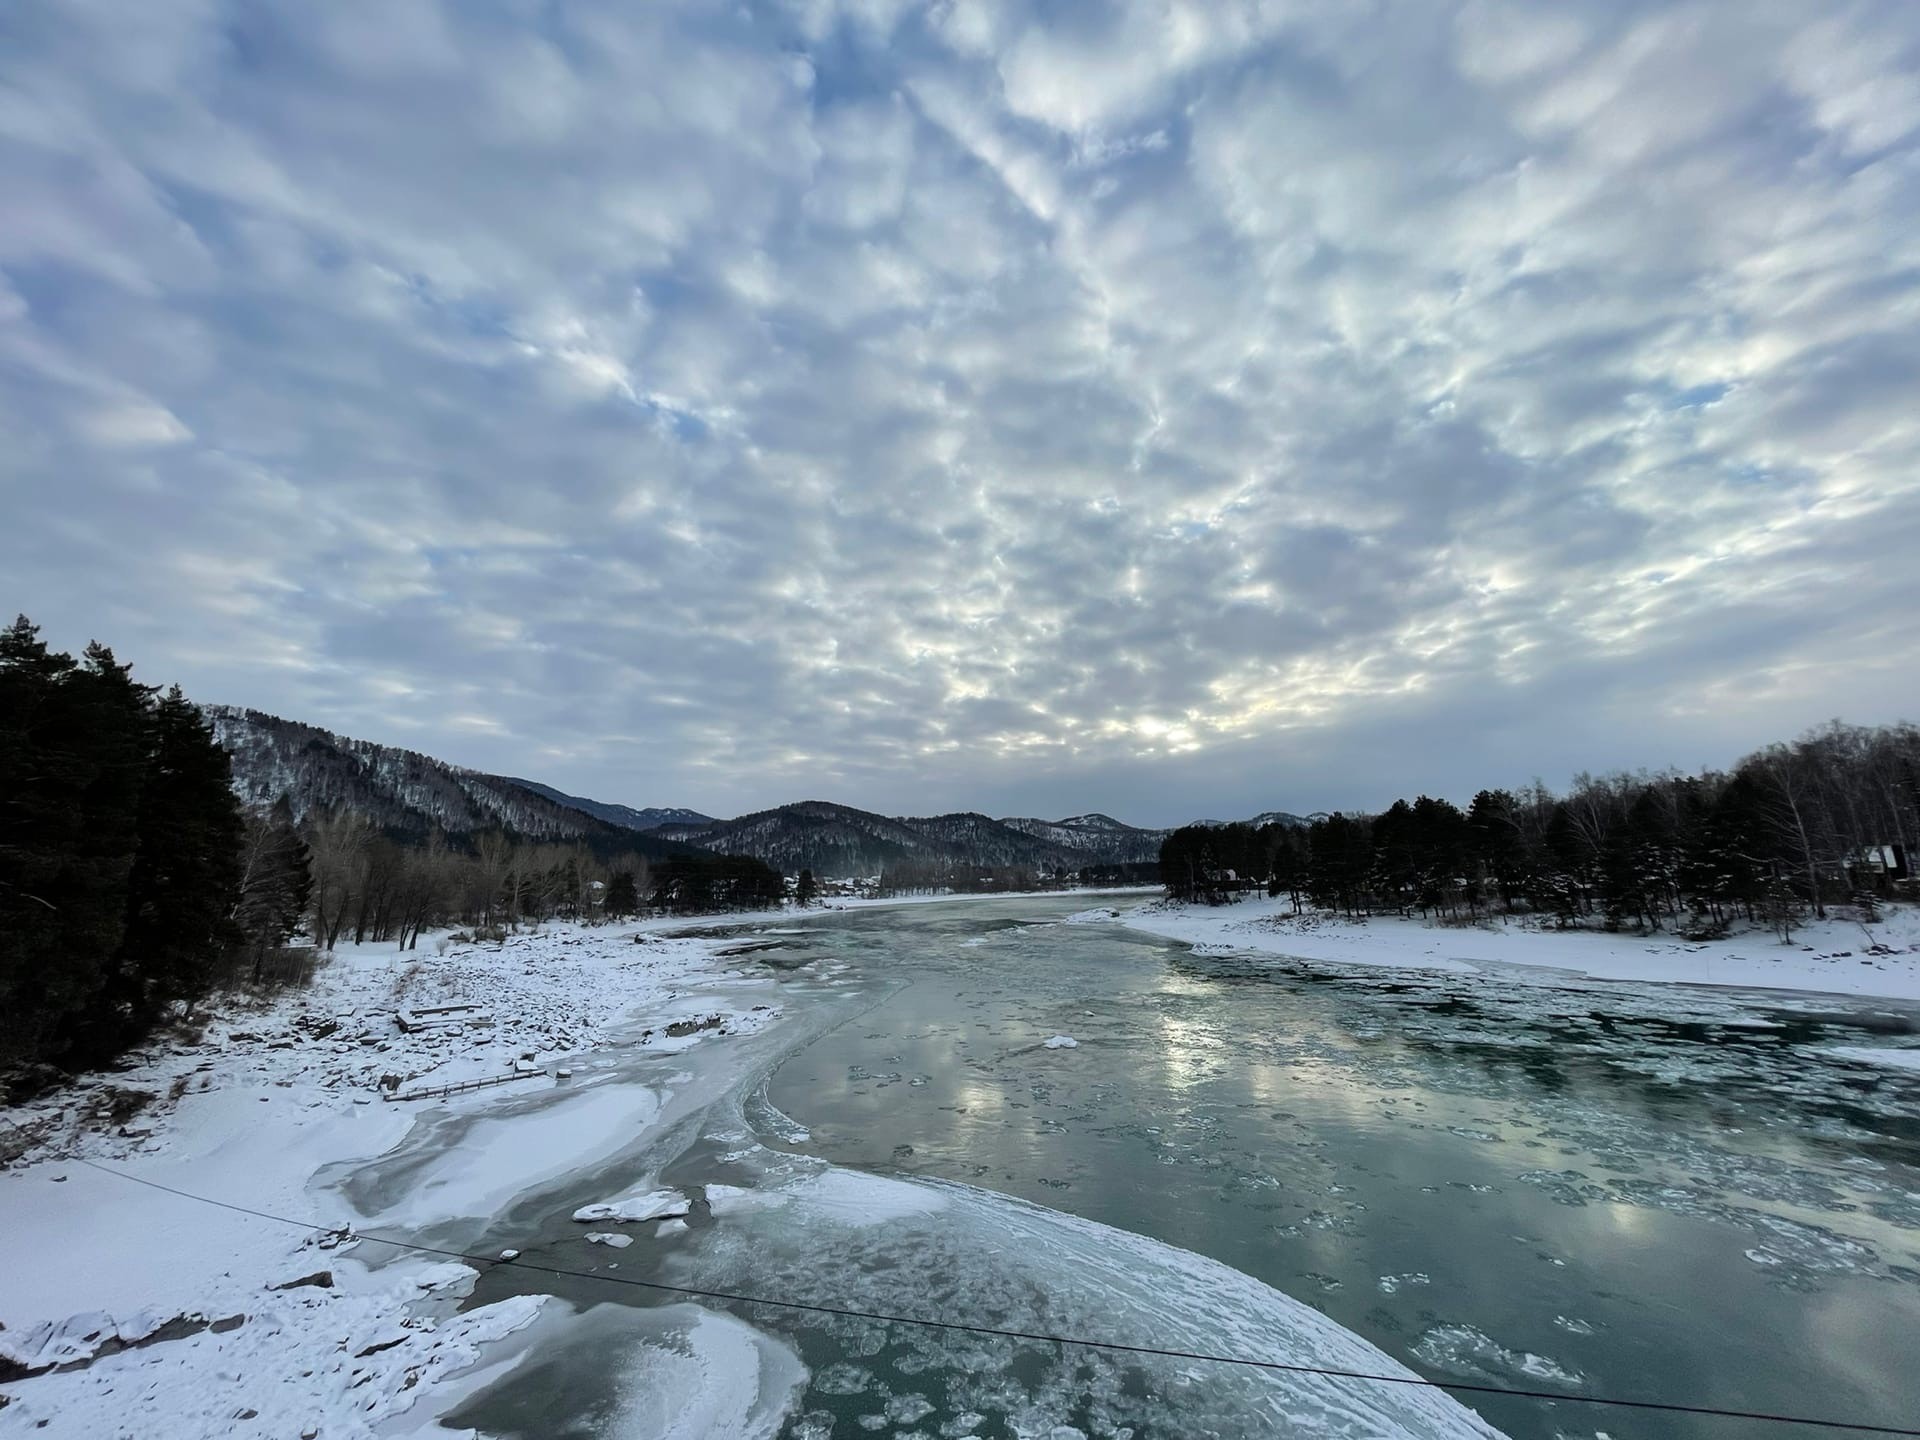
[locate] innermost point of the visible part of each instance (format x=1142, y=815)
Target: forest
x=133, y=882
x=1832, y=818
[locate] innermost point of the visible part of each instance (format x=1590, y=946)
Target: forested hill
x=1105, y=840
x=625, y=816
x=404, y=793
x=839, y=840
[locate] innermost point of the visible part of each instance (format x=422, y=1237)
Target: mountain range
x=839, y=840
x=411, y=795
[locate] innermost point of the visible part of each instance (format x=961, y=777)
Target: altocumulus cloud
x=1160, y=406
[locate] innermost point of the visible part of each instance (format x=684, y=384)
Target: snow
x=651, y=1205
x=1840, y=955
x=304, y=1361
x=1060, y=1042
x=478, y=1177
x=790, y=913
x=256, y=1111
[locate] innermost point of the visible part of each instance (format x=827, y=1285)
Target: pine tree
x=76, y=737
x=1498, y=844
x=184, y=884
x=623, y=895
x=805, y=890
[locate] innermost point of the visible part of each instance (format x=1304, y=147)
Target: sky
x=1170, y=409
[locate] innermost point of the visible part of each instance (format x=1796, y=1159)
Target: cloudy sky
x=1164, y=407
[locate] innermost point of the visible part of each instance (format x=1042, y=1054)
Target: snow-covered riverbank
x=177, y=1318
x=840, y=904
x=1840, y=956
x=227, y=1323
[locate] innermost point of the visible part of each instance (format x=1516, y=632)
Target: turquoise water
x=1588, y=1188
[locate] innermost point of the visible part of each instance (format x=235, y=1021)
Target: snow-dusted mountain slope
x=402, y=791
x=840, y=840
x=625, y=816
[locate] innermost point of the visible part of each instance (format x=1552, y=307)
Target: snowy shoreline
x=159, y=1314
x=124, y=1301
x=178, y=1318
x=845, y=904
x=1833, y=957
x=175, y=1317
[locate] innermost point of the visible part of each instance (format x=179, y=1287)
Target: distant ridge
x=1267, y=817
x=840, y=840
x=625, y=816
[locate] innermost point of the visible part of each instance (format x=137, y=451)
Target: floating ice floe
x=1061, y=1042
x=609, y=1237
x=1878, y=1055
x=1463, y=1350
x=631, y=1209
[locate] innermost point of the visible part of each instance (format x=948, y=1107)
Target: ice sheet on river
x=953, y=1253
x=674, y=1373
x=501, y=1156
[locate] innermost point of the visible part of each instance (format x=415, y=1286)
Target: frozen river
x=1588, y=1188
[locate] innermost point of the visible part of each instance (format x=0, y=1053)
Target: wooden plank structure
x=437, y=1017
x=460, y=1087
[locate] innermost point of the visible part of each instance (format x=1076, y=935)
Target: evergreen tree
x=183, y=886
x=805, y=890
x=1393, y=863
x=1439, y=835
x=75, y=738
x=623, y=895
x=1339, y=857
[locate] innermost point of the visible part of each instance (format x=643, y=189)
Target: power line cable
x=1116, y=1346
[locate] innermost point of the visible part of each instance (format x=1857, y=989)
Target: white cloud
x=134, y=423
x=1030, y=409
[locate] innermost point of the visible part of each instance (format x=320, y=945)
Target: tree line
x=371, y=886
x=1833, y=817
x=133, y=883
x=130, y=880
x=939, y=875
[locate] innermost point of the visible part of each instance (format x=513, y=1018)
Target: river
x=1595, y=1189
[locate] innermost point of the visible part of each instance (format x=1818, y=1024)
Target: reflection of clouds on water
x=1305, y=1123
